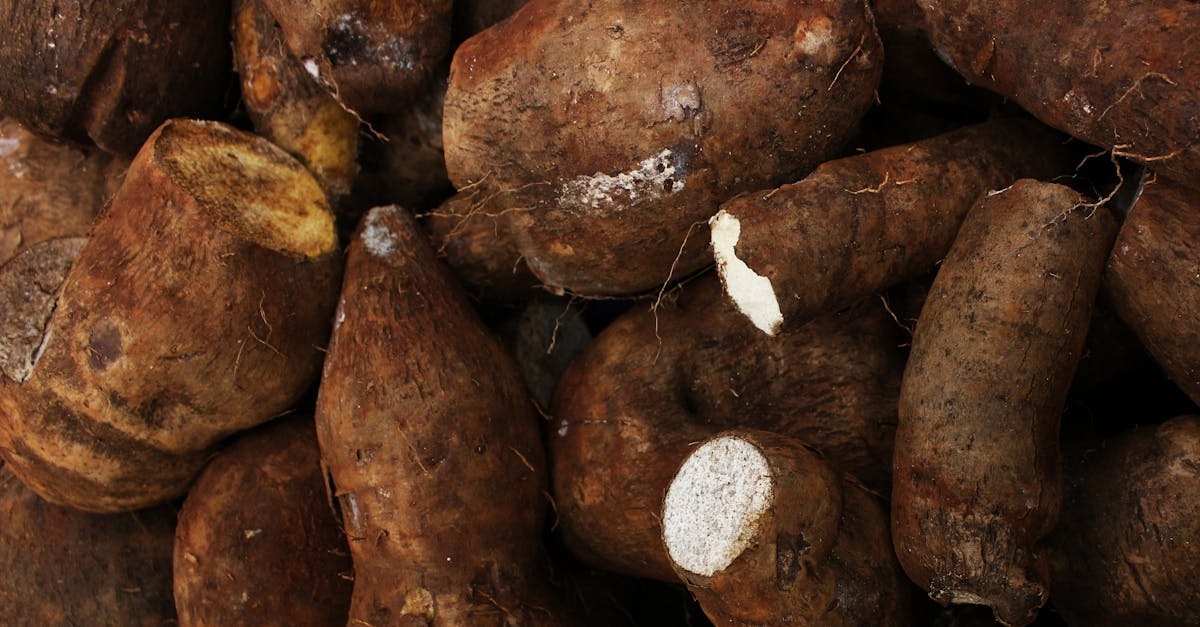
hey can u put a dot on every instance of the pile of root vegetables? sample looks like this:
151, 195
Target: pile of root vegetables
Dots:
567, 312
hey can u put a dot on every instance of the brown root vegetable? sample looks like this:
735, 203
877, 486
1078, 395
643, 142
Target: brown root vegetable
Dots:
466, 231
372, 55
653, 384
63, 567
431, 439
196, 309
544, 336
412, 168
977, 479
286, 104
1152, 279
1115, 73
258, 541
49, 190
764, 532
863, 223
611, 159
111, 72
1126, 550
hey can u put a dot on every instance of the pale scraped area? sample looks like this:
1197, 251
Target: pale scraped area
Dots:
652, 178
751, 292
715, 504
310, 66
378, 239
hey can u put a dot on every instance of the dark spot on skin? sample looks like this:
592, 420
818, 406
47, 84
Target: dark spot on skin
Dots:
344, 43
669, 185
104, 345
790, 552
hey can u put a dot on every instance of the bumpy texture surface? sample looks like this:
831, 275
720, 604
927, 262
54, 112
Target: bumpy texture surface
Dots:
1125, 551
1153, 280
258, 542
195, 310
813, 545
653, 384
861, 224
617, 125
1122, 74
977, 477
432, 441
63, 567
111, 72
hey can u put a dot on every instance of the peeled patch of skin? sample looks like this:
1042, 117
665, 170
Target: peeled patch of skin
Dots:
711, 510
750, 291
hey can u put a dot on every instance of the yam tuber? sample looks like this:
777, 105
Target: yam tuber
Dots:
431, 439
976, 480
629, 409
196, 309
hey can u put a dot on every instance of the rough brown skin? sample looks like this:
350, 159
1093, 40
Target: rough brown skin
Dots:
821, 555
432, 441
372, 54
29, 287
977, 478
49, 190
466, 232
63, 567
110, 72
1121, 74
691, 102
629, 409
858, 225
258, 542
412, 166
1152, 279
188, 316
286, 104
544, 336
1125, 551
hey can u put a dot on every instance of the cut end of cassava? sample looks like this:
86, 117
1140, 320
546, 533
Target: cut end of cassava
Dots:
250, 186
715, 505
750, 291
29, 287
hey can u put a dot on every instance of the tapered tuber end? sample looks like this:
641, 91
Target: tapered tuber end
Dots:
750, 291
250, 186
715, 505
29, 289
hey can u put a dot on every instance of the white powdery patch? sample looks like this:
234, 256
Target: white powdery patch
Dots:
376, 236
714, 505
651, 179
750, 291
9, 145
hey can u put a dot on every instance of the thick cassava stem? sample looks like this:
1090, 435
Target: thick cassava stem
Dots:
258, 542
111, 72
432, 441
864, 223
372, 55
1153, 280
63, 567
286, 104
615, 163
49, 190
197, 308
1126, 550
655, 383
764, 532
1123, 74
977, 478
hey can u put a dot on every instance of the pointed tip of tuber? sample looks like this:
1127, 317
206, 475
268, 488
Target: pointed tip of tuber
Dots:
715, 505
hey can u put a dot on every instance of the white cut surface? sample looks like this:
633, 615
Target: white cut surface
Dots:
750, 291
715, 504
